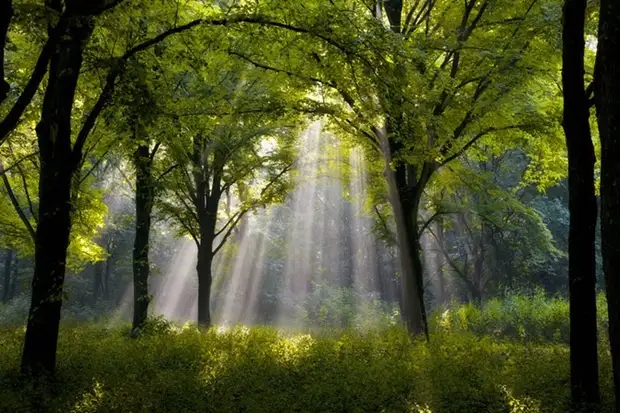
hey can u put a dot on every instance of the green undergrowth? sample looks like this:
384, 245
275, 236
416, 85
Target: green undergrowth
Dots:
533, 317
168, 369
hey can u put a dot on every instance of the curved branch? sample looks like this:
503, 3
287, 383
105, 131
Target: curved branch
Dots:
16, 205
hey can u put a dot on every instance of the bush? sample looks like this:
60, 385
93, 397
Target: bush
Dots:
524, 317
184, 369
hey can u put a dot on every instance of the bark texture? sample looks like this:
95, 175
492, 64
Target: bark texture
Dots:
144, 207
583, 213
6, 14
205, 279
405, 206
607, 97
57, 165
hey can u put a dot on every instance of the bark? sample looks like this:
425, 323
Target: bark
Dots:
394, 10
405, 208
57, 165
207, 204
607, 97
144, 207
6, 14
6, 282
583, 213
203, 269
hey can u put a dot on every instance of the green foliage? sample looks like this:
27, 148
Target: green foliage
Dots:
331, 306
183, 369
528, 318
15, 312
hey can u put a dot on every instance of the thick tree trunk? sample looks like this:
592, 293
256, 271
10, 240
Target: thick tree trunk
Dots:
54, 225
607, 96
405, 215
583, 212
203, 269
6, 14
6, 282
144, 207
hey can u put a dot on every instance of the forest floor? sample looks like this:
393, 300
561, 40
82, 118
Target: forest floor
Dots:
173, 369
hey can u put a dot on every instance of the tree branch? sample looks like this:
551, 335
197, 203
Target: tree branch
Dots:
12, 118
166, 172
16, 205
15, 164
431, 219
6, 11
233, 224
473, 140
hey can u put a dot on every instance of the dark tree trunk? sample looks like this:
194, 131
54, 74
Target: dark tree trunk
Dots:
207, 204
607, 96
405, 205
57, 165
583, 213
6, 14
404, 194
203, 268
6, 283
144, 207
97, 279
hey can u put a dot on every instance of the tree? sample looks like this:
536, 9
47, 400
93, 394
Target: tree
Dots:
417, 114
139, 107
60, 157
235, 158
583, 212
607, 98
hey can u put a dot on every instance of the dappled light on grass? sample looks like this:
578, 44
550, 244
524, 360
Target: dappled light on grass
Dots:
184, 369
90, 401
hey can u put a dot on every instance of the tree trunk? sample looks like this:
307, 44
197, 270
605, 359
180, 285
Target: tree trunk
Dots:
97, 279
6, 13
203, 268
144, 207
6, 284
607, 96
405, 215
583, 212
57, 165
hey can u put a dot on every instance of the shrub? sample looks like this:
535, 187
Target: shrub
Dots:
524, 317
185, 369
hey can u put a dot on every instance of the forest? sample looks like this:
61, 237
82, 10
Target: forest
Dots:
310, 206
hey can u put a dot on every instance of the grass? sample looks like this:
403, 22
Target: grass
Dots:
465, 368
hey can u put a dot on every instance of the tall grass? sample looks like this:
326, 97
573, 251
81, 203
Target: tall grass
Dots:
505, 357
